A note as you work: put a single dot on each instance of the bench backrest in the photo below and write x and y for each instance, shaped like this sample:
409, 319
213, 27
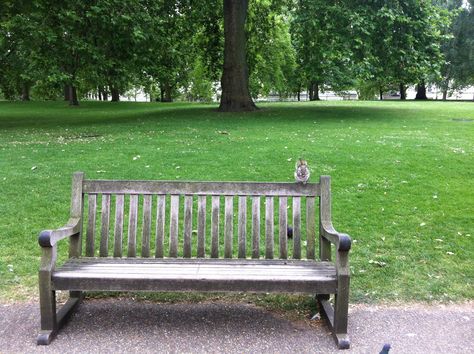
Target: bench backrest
197, 219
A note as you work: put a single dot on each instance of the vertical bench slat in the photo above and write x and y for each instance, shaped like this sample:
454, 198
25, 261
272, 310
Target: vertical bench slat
174, 210
324, 216
118, 234
188, 225
215, 227
77, 205
104, 231
269, 233
283, 227
296, 227
201, 244
255, 227
242, 227
90, 236
228, 226
160, 226
132, 226
310, 227
147, 200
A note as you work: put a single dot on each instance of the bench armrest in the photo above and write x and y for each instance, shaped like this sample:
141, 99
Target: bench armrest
48, 238
342, 241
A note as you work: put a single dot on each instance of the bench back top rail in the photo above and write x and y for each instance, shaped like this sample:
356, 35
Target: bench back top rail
198, 219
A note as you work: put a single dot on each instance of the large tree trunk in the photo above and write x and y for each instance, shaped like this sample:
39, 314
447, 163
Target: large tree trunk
115, 94
100, 91
66, 92
421, 91
25, 91
166, 93
235, 77
381, 94
73, 101
403, 91
445, 94
314, 91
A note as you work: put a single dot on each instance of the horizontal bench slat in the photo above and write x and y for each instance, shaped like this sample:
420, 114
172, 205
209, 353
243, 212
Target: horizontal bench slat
201, 188
196, 274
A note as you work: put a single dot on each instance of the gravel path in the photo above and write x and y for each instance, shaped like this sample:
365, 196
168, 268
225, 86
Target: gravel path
124, 326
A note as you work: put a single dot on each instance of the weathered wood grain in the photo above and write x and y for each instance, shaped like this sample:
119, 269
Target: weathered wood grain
269, 231
188, 225
296, 227
215, 227
160, 226
104, 230
283, 225
132, 226
201, 188
324, 217
118, 232
77, 206
201, 231
310, 227
255, 227
198, 275
90, 235
228, 226
146, 232
242, 226
174, 219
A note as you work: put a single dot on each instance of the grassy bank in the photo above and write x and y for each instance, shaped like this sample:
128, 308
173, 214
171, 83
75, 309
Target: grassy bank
403, 182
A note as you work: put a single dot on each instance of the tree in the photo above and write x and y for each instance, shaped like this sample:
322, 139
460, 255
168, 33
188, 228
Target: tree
64, 50
235, 78
270, 54
396, 43
320, 32
17, 70
457, 69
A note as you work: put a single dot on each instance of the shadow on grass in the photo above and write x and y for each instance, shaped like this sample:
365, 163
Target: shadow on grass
46, 115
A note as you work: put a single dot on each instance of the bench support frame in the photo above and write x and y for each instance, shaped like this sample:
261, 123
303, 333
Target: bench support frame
52, 320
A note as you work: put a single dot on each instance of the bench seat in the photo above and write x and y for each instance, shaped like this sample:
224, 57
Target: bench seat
293, 276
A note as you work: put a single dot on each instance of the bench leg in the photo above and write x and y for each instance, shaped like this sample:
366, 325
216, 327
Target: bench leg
336, 317
48, 315
52, 321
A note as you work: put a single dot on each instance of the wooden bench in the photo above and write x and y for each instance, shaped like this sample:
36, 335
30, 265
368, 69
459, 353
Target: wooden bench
228, 254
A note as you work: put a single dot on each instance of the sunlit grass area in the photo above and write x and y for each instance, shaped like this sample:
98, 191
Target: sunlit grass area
402, 177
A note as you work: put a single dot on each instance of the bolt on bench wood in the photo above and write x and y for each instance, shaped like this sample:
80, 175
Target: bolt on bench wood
155, 248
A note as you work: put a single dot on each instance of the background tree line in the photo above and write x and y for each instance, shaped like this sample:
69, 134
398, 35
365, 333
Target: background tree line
100, 49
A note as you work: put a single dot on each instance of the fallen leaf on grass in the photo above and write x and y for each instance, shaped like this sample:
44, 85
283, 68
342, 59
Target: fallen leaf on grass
379, 263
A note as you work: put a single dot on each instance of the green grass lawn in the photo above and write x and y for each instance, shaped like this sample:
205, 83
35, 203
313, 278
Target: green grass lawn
402, 177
